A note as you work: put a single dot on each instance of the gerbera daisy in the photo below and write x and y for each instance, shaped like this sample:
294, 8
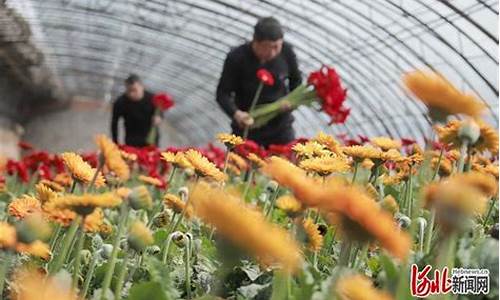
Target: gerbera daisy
63, 179
488, 137
310, 149
113, 157
230, 140
56, 187
44, 193
313, 235
325, 165
390, 204
244, 227
177, 205
203, 166
385, 143
86, 203
486, 184
7, 235
80, 169
238, 161
290, 205
139, 236
24, 206
256, 161
358, 287
361, 152
128, 156
489, 169
150, 180
37, 248
32, 285
438, 93
329, 142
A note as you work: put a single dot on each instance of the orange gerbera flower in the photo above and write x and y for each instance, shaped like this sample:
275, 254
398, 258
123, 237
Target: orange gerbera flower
113, 157
24, 206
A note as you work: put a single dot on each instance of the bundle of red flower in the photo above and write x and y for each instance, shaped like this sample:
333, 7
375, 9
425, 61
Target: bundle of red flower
162, 102
323, 86
329, 89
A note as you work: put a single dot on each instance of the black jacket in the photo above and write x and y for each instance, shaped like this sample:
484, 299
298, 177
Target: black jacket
138, 117
238, 84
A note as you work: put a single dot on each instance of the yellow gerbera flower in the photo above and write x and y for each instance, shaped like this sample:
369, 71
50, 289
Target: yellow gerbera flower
128, 156
390, 204
33, 285
230, 140
177, 205
392, 155
24, 206
56, 187
489, 169
245, 227
454, 203
44, 193
113, 157
37, 248
256, 161
325, 165
310, 149
361, 215
329, 142
445, 166
361, 152
80, 169
358, 287
7, 235
385, 143
488, 137
203, 166
139, 236
64, 179
94, 221
238, 161
86, 203
177, 159
438, 93
314, 237
150, 180
486, 184
290, 205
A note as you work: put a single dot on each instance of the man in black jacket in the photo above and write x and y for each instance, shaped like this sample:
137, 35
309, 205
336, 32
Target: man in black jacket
136, 107
238, 82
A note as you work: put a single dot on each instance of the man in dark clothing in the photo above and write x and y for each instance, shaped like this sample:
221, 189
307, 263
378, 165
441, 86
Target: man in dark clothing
136, 107
238, 82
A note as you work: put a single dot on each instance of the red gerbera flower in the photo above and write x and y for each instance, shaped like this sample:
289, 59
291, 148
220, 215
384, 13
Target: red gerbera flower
163, 101
265, 77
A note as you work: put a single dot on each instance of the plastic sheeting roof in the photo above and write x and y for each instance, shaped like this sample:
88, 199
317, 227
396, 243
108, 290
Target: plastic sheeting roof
179, 47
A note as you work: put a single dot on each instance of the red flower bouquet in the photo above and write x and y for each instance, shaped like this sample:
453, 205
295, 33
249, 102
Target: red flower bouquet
162, 102
323, 87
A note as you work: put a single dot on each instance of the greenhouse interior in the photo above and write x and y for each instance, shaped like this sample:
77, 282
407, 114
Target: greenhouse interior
249, 150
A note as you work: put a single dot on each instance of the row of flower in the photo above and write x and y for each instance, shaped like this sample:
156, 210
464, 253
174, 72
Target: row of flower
320, 218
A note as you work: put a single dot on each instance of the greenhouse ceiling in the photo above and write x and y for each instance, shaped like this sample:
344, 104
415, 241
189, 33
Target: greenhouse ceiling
90, 46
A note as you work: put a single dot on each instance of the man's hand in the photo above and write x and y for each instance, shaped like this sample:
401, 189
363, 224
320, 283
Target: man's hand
243, 119
156, 120
286, 106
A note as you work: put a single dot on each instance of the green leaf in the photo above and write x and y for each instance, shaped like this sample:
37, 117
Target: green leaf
160, 236
147, 291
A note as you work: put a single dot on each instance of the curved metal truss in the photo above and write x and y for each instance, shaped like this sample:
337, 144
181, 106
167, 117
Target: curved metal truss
179, 46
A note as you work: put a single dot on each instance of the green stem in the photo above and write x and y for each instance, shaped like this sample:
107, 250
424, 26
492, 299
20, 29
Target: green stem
68, 240
4, 268
171, 176
121, 275
249, 181
409, 194
88, 276
272, 202
54, 238
468, 164
430, 228
166, 249
97, 171
112, 262
490, 210
252, 107
438, 165
226, 160
187, 265
356, 165
73, 186
345, 252
79, 247
463, 153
